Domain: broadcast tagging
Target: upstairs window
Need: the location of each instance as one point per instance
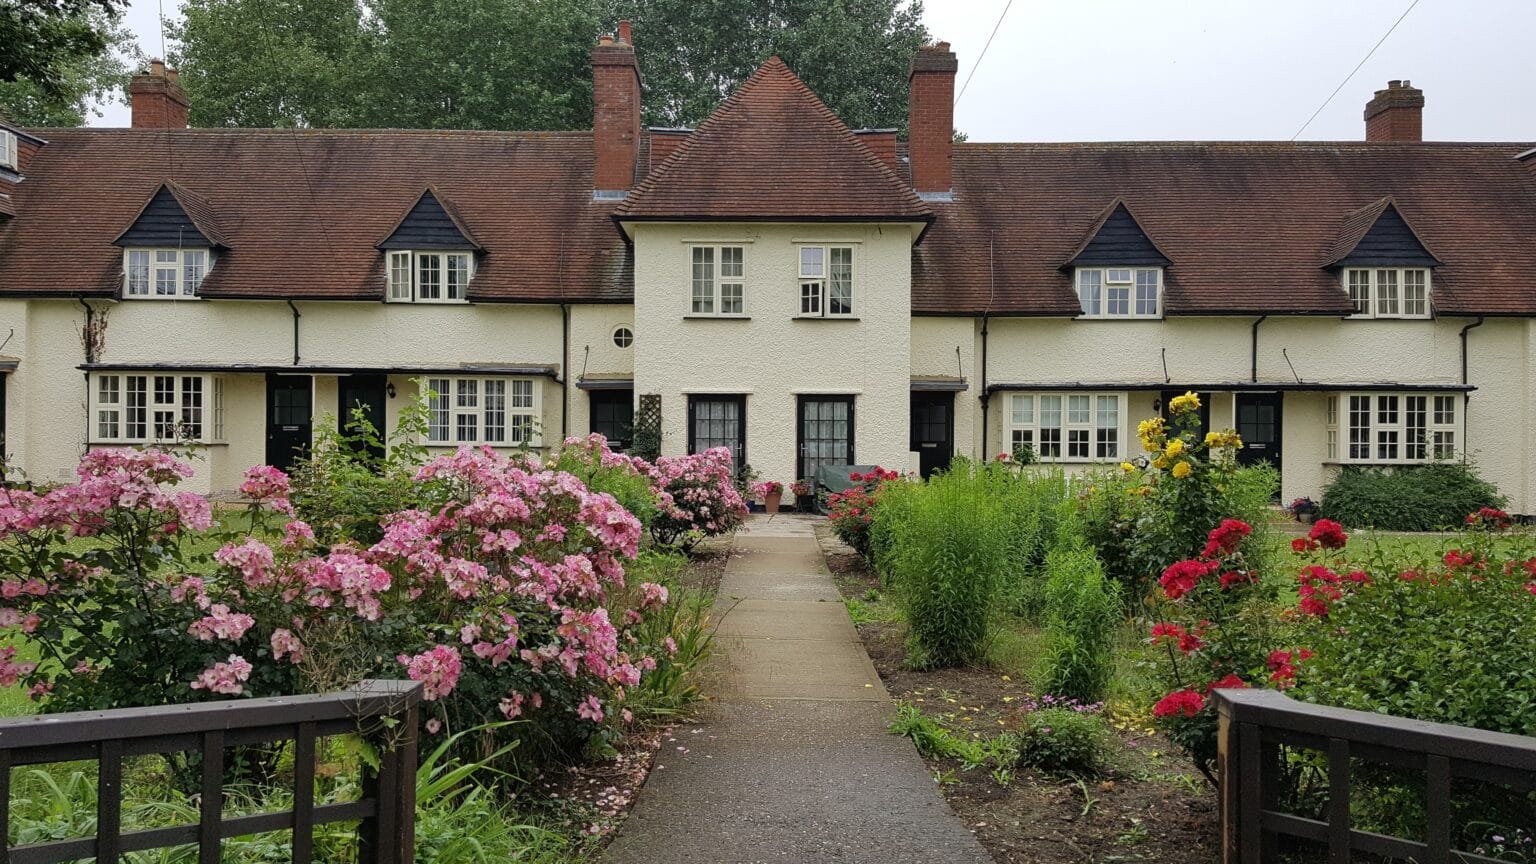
(1392, 428)
(1067, 427)
(164, 274)
(8, 157)
(145, 408)
(1388, 292)
(718, 281)
(826, 281)
(430, 277)
(495, 411)
(1120, 292)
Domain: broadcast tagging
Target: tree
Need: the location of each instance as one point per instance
(40, 38)
(854, 54)
(269, 63)
(75, 81)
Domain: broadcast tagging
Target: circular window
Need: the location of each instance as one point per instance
(623, 336)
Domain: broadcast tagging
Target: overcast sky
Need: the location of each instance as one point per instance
(1091, 70)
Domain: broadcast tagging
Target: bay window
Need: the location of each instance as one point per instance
(495, 411)
(1067, 427)
(1392, 428)
(1388, 292)
(157, 408)
(163, 273)
(430, 276)
(1120, 292)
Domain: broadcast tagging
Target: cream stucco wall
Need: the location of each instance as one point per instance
(949, 347)
(593, 354)
(771, 356)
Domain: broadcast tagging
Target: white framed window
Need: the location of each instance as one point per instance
(826, 282)
(1068, 427)
(429, 276)
(1120, 292)
(8, 157)
(156, 408)
(718, 280)
(495, 411)
(1392, 428)
(1388, 292)
(164, 274)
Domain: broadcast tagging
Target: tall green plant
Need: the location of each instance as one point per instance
(1082, 613)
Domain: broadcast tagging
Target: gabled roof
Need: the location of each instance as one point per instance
(430, 223)
(773, 152)
(1377, 234)
(302, 210)
(174, 216)
(1247, 224)
(1114, 239)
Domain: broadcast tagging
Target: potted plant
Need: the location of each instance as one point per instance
(771, 491)
(1304, 509)
(802, 492)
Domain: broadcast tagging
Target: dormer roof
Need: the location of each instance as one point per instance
(174, 216)
(430, 223)
(773, 152)
(1116, 239)
(1378, 235)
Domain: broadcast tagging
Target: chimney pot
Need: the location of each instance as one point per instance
(625, 35)
(1396, 113)
(157, 100)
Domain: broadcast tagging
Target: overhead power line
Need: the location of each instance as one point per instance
(1006, 7)
(1354, 70)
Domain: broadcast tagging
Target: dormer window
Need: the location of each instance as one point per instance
(8, 158)
(430, 276)
(164, 274)
(1120, 292)
(1388, 292)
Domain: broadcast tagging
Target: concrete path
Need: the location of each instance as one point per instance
(791, 762)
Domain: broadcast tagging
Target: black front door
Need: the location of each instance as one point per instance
(718, 421)
(1258, 424)
(290, 403)
(366, 392)
(613, 416)
(933, 430)
(825, 433)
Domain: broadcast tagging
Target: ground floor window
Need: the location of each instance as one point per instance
(718, 421)
(495, 411)
(1392, 427)
(613, 416)
(1067, 427)
(149, 408)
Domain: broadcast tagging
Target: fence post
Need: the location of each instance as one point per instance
(389, 836)
(1227, 776)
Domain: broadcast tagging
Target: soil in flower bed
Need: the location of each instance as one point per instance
(1152, 805)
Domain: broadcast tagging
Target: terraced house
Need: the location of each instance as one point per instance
(772, 282)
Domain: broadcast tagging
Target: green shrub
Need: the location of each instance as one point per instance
(589, 460)
(1034, 504)
(342, 487)
(1082, 614)
(1418, 498)
(947, 555)
(932, 739)
(1063, 740)
(672, 686)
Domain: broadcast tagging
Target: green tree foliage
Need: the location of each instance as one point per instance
(59, 88)
(523, 64)
(854, 55)
(40, 38)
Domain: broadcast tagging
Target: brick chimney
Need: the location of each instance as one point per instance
(1396, 113)
(931, 119)
(157, 98)
(615, 112)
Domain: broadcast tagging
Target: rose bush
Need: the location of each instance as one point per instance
(852, 511)
(704, 499)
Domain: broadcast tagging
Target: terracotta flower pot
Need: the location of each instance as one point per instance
(771, 501)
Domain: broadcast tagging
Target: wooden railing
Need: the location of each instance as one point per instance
(386, 810)
(1257, 724)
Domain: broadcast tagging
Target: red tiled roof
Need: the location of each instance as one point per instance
(773, 151)
(1248, 226)
(301, 210)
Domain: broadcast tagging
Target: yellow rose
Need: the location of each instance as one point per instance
(1160, 462)
(1181, 404)
(1181, 470)
(1127, 467)
(1175, 447)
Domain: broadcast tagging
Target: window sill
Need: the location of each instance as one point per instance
(825, 318)
(1388, 317)
(162, 298)
(168, 444)
(693, 317)
(1118, 318)
(454, 445)
(1400, 463)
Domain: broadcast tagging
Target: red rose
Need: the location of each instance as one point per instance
(1328, 534)
(1180, 578)
(1180, 702)
(1230, 682)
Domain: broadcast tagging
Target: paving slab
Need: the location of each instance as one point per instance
(790, 761)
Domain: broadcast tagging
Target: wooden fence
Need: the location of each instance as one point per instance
(1256, 724)
(386, 810)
